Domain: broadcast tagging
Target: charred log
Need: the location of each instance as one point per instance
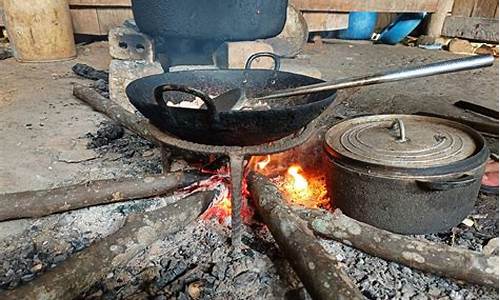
(81, 271)
(32, 204)
(320, 273)
(138, 125)
(440, 259)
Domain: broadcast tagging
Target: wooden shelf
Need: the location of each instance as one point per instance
(395, 6)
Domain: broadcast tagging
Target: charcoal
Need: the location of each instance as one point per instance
(5, 53)
(89, 72)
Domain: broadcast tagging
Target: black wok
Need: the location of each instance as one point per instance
(232, 128)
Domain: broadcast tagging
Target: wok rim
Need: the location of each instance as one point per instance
(147, 81)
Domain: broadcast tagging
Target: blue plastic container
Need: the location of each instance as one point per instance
(400, 28)
(361, 26)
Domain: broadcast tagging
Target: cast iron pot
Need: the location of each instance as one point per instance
(411, 191)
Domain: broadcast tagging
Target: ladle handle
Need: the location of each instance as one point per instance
(444, 67)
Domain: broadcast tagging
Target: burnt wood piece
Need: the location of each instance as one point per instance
(32, 204)
(473, 28)
(485, 128)
(440, 259)
(81, 271)
(320, 273)
(479, 109)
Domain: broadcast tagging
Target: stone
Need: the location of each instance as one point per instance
(195, 289)
(234, 55)
(127, 43)
(122, 72)
(294, 35)
(491, 248)
(460, 46)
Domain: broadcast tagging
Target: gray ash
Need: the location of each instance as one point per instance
(198, 263)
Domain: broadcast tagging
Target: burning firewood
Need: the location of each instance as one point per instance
(444, 260)
(84, 269)
(320, 273)
(40, 203)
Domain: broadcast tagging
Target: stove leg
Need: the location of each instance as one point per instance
(165, 158)
(236, 199)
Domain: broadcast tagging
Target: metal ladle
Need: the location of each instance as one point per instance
(236, 99)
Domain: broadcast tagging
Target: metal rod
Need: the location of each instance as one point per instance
(236, 163)
(449, 66)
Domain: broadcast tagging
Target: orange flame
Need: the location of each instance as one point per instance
(261, 165)
(298, 181)
(298, 186)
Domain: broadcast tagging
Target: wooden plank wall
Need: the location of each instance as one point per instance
(474, 20)
(475, 8)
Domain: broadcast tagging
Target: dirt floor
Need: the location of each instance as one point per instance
(43, 128)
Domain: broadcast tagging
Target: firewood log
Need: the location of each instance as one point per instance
(81, 271)
(427, 256)
(320, 273)
(31, 204)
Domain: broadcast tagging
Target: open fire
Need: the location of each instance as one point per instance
(300, 187)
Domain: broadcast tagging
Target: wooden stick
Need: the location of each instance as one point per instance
(81, 271)
(320, 273)
(440, 259)
(137, 124)
(32, 204)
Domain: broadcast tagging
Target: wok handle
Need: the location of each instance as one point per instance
(159, 90)
(253, 57)
(443, 67)
(447, 184)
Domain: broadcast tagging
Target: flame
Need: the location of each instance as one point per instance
(298, 186)
(298, 181)
(261, 165)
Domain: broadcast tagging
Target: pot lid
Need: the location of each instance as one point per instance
(404, 141)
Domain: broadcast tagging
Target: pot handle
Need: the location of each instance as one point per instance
(159, 90)
(447, 184)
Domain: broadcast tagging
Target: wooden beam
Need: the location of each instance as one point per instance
(325, 21)
(436, 21)
(116, 3)
(367, 5)
(480, 29)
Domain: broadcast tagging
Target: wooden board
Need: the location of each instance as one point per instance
(116, 3)
(85, 20)
(112, 17)
(481, 29)
(367, 5)
(320, 21)
(463, 8)
(485, 8)
(98, 20)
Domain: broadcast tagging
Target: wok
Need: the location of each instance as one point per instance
(151, 94)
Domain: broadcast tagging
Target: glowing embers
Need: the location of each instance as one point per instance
(300, 187)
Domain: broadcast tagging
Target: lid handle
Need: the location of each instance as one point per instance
(402, 130)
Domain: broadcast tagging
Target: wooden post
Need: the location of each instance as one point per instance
(436, 22)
